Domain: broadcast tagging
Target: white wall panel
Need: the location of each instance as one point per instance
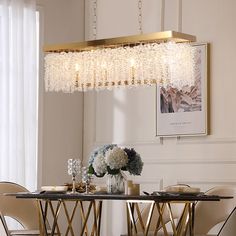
(152, 15)
(214, 22)
(119, 112)
(128, 117)
(171, 15)
(120, 18)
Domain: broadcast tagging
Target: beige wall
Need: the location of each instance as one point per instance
(127, 117)
(60, 131)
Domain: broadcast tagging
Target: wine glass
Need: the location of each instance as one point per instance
(86, 178)
(73, 166)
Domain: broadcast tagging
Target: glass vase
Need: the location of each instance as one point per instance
(115, 184)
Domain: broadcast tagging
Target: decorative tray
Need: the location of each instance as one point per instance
(80, 187)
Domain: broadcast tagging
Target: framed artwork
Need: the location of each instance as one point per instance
(183, 112)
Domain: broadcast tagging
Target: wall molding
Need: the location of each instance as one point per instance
(153, 142)
(183, 161)
(205, 140)
(179, 141)
(215, 182)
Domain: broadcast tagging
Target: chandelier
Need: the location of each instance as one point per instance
(165, 58)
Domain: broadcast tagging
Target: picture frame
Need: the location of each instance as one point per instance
(188, 117)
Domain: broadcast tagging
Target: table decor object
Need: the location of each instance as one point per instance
(134, 189)
(112, 160)
(54, 189)
(80, 187)
(74, 166)
(115, 183)
(86, 178)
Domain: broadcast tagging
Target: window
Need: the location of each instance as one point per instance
(19, 34)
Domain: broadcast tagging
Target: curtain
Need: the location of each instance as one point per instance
(18, 92)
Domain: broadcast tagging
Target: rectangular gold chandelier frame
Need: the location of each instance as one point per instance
(158, 37)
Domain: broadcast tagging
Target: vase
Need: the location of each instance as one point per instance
(115, 184)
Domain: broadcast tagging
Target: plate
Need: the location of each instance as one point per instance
(182, 190)
(53, 189)
(171, 193)
(187, 193)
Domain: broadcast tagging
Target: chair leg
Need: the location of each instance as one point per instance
(4, 225)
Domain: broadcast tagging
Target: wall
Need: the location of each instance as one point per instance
(127, 117)
(60, 115)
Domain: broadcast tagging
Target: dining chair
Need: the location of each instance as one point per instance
(23, 211)
(176, 210)
(140, 225)
(209, 214)
(229, 227)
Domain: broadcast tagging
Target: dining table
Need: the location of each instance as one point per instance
(90, 208)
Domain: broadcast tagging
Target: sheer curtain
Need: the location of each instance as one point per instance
(18, 92)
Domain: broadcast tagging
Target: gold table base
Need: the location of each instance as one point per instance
(92, 211)
(184, 225)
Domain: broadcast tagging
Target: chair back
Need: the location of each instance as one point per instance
(209, 214)
(25, 211)
(229, 227)
(176, 211)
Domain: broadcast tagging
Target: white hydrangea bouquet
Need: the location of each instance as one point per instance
(111, 159)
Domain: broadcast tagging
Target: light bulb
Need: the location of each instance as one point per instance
(132, 62)
(77, 67)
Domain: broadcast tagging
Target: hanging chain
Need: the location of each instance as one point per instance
(94, 19)
(140, 20)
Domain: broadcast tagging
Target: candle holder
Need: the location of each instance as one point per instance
(74, 166)
(86, 178)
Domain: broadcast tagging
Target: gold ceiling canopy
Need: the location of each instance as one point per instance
(158, 37)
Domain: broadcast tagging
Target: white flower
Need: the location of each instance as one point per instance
(99, 165)
(116, 158)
